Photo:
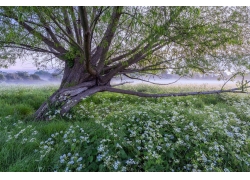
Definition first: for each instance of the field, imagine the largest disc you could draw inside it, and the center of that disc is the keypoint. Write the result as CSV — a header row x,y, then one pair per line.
x,y
115,132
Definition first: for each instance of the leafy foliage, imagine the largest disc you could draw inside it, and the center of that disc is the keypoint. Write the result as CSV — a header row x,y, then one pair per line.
x,y
146,39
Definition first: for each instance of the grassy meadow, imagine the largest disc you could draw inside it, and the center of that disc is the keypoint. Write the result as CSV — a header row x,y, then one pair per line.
x,y
116,132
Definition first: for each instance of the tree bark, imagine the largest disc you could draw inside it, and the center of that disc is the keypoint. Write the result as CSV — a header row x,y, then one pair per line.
x,y
76,84
74,75
66,98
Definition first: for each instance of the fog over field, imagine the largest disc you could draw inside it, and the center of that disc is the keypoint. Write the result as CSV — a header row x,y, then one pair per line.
x,y
169,81
162,82
181,82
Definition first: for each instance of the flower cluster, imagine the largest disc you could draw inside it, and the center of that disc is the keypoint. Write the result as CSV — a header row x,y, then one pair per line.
x,y
157,137
24,135
71,162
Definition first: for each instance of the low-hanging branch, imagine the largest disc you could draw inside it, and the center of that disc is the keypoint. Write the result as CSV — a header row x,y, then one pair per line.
x,y
140,94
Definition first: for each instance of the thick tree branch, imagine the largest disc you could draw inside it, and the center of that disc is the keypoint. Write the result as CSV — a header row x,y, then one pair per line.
x,y
105,43
234,90
67,23
126,37
79,27
150,38
75,25
44,39
87,39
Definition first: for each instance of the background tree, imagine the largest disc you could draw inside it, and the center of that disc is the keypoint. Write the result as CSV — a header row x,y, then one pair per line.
x,y
97,43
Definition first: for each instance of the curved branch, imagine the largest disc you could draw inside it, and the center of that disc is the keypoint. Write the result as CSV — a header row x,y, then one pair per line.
x,y
140,94
151,81
229,80
27,47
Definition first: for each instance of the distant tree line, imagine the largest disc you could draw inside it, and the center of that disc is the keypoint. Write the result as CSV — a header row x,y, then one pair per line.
x,y
22,76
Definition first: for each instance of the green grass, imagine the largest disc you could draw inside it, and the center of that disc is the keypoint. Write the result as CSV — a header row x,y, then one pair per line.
x,y
116,132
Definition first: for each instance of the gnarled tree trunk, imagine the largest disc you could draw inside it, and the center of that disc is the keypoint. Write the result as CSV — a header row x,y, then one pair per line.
x,y
76,84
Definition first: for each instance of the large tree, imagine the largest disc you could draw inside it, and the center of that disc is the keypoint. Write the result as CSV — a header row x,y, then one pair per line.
x,y
95,44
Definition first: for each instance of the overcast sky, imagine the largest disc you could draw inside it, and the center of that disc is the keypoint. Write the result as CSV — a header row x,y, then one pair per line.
x,y
20,66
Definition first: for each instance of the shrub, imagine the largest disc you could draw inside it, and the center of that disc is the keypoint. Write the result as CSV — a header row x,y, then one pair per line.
x,y
35,77
2,77
13,76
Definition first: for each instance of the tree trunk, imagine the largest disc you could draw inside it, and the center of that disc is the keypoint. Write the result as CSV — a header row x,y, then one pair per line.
x,y
74,75
64,99
76,85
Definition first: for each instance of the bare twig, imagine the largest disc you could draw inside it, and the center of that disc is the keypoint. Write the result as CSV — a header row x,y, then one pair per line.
x,y
151,81
229,80
122,83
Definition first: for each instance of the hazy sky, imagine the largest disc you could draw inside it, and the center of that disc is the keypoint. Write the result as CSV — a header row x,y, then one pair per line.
x,y
19,66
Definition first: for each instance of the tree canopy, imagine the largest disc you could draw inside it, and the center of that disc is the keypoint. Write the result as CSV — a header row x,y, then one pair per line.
x,y
94,44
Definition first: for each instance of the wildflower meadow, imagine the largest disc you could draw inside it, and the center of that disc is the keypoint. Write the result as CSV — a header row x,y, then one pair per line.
x,y
116,132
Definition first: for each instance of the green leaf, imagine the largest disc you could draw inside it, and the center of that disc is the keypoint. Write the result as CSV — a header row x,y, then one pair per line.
x,y
90,158
123,154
